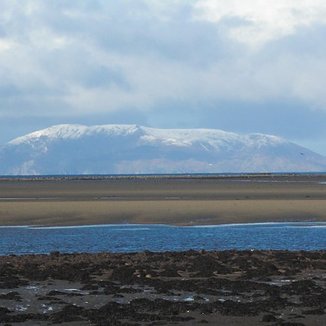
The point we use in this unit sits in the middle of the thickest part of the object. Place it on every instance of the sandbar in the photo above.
(177, 200)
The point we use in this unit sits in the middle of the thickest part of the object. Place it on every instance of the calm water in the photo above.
(130, 238)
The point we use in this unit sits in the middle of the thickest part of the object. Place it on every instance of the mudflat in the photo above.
(185, 288)
(180, 200)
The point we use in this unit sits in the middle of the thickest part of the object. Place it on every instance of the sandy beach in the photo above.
(181, 200)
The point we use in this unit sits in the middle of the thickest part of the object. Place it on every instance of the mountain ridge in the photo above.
(122, 148)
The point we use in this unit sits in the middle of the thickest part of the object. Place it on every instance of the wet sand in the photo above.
(187, 288)
(180, 200)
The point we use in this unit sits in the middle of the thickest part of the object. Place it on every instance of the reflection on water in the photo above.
(131, 238)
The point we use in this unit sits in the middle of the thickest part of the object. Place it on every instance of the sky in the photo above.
(237, 65)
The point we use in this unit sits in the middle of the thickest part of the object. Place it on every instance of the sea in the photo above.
(124, 238)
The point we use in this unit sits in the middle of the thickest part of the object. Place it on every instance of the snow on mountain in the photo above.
(78, 149)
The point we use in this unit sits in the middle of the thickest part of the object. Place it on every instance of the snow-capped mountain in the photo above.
(110, 149)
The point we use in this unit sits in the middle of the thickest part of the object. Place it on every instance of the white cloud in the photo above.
(5, 45)
(103, 56)
(263, 20)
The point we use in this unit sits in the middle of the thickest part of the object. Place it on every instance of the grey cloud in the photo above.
(9, 91)
(125, 61)
(104, 77)
(14, 126)
(291, 120)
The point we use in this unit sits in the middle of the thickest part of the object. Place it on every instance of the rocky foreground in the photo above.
(217, 288)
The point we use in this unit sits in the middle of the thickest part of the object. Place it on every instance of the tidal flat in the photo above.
(169, 288)
(175, 200)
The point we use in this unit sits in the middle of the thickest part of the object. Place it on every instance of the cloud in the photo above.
(260, 21)
(64, 60)
(96, 55)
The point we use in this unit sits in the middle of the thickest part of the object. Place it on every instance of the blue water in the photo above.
(131, 238)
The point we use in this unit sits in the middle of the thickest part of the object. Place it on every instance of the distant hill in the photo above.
(119, 149)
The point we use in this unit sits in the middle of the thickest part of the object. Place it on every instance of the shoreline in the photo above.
(312, 223)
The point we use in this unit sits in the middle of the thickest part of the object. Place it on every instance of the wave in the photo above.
(122, 227)
(14, 227)
(146, 227)
(236, 225)
(273, 224)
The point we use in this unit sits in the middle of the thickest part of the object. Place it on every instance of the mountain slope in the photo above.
(77, 149)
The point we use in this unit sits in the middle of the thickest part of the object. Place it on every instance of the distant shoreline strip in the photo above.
(141, 226)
